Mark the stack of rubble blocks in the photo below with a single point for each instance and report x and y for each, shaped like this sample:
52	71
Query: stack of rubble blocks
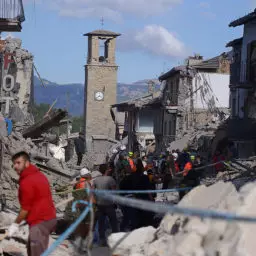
193	236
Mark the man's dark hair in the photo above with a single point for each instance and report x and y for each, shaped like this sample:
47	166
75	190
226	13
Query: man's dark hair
103	168
22	154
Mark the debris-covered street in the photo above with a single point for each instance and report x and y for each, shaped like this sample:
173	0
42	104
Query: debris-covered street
163	166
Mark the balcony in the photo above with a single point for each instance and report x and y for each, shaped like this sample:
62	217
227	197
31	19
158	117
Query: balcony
11	15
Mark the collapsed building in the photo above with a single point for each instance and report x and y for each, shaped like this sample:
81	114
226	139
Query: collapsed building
194	97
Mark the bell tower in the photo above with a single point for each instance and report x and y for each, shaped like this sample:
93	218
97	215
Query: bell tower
100	85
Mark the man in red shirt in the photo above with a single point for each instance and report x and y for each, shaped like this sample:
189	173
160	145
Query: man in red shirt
36	203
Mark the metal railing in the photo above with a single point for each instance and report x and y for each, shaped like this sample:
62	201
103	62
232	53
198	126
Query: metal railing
12	10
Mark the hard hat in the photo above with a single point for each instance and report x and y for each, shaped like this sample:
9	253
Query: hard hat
123	147
192	157
175	156
115	151
130	153
84	172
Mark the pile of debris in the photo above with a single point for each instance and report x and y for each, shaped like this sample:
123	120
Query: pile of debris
56	171
182	236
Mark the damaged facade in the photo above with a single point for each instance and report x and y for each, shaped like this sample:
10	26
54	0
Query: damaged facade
242	87
194	96
16	92
139	124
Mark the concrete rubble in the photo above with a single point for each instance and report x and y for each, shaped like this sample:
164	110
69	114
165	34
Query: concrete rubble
182	236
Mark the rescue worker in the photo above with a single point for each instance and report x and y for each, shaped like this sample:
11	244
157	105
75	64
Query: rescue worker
217	158
80	193
145	162
80	148
105	208
131	162
168	171
122	166
187	168
37	207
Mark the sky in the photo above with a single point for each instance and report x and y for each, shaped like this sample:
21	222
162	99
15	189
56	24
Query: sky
156	34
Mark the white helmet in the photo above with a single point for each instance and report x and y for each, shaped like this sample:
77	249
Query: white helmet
114	151
175	156
84	172
123	148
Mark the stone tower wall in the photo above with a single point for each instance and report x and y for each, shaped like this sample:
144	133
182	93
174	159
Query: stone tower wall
100	78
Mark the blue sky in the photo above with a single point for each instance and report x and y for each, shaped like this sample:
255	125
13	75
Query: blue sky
156	34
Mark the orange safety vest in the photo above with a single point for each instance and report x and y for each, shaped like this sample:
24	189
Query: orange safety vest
81	183
187	168
132	165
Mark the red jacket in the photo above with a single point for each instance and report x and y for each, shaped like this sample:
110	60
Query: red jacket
220	166
35	196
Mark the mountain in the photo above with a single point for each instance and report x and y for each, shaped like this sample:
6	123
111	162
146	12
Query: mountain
74	93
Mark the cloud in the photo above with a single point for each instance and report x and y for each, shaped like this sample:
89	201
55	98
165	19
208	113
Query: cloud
204	5
155	40
110	9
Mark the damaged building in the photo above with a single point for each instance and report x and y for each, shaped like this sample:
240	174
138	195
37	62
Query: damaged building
141	114
193	97
242	122
17	82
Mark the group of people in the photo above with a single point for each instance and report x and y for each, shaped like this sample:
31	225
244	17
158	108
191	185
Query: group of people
126	172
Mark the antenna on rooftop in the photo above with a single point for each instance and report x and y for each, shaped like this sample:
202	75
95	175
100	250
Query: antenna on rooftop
102	22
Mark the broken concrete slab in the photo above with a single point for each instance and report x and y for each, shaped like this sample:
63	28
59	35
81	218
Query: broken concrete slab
133	242
51	120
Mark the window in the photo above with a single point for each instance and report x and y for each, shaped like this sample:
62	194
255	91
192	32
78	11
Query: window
251	62
170	128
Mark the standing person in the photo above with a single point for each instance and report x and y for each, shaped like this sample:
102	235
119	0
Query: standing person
80	148
80	193
129	220
37	207
123	167
131	161
141	182
218	159
145	162
105	208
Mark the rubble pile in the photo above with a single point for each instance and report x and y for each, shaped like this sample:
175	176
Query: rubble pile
56	171
182	236
17	244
